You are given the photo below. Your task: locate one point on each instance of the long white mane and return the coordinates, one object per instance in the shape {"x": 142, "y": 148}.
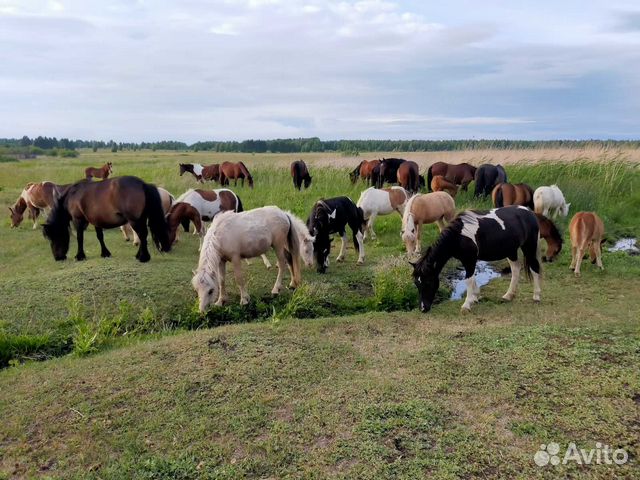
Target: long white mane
{"x": 407, "y": 217}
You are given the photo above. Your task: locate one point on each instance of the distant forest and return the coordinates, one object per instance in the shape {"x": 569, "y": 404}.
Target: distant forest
{"x": 296, "y": 145}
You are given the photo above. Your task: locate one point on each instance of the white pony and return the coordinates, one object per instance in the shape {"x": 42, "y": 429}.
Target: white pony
{"x": 167, "y": 201}
{"x": 549, "y": 201}
{"x": 234, "y": 236}
{"x": 375, "y": 201}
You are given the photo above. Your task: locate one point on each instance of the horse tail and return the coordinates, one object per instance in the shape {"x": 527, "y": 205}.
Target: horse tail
{"x": 414, "y": 180}
{"x": 534, "y": 260}
{"x": 498, "y": 200}
{"x": 155, "y": 217}
{"x": 429, "y": 178}
{"x": 239, "y": 206}
{"x": 246, "y": 173}
{"x": 293, "y": 245}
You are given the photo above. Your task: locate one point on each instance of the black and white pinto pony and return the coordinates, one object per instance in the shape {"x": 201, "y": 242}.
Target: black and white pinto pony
{"x": 489, "y": 236}
{"x": 332, "y": 216}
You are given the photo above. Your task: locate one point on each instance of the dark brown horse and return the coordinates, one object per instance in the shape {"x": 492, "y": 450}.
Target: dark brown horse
{"x": 107, "y": 204}
{"x": 364, "y": 170}
{"x": 211, "y": 172}
{"x": 505, "y": 194}
{"x": 461, "y": 174}
{"x": 300, "y": 174}
{"x": 389, "y": 171}
{"x": 102, "y": 172}
{"x": 408, "y": 175}
{"x": 551, "y": 234}
{"x": 235, "y": 171}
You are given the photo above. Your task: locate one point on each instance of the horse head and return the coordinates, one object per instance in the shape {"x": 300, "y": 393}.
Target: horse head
{"x": 207, "y": 288}
{"x": 426, "y": 280}
{"x": 307, "y": 181}
{"x": 16, "y": 217}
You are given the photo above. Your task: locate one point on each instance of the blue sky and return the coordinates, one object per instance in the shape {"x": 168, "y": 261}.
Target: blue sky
{"x": 236, "y": 69}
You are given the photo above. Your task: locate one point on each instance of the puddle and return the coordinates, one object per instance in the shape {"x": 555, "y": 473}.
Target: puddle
{"x": 628, "y": 245}
{"x": 484, "y": 274}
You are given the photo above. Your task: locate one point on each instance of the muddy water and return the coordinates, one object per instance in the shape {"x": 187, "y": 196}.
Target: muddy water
{"x": 484, "y": 274}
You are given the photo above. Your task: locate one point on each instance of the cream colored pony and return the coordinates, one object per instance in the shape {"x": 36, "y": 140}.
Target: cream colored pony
{"x": 436, "y": 207}
{"x": 236, "y": 236}
{"x": 587, "y": 232}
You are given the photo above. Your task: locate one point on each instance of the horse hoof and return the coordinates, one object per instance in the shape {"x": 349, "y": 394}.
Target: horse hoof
{"x": 275, "y": 292}
{"x": 465, "y": 310}
{"x": 144, "y": 258}
{"x": 507, "y": 298}
{"x": 360, "y": 262}
{"x": 81, "y": 257}
{"x": 339, "y": 259}
{"x": 536, "y": 300}
{"x": 244, "y": 301}
{"x": 105, "y": 254}
{"x": 577, "y": 274}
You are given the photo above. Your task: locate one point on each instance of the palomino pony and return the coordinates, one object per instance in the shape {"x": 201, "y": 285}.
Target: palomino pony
{"x": 107, "y": 204}
{"x": 235, "y": 171}
{"x": 35, "y": 197}
{"x": 102, "y": 172}
{"x": 374, "y": 201}
{"x": 437, "y": 207}
{"x": 461, "y": 174}
{"x": 167, "y": 200}
{"x": 236, "y": 236}
{"x": 587, "y": 232}
{"x": 300, "y": 174}
{"x": 364, "y": 171}
{"x": 408, "y": 176}
{"x": 549, "y": 201}
{"x": 505, "y": 194}
{"x": 441, "y": 184}
{"x": 389, "y": 170}
{"x": 488, "y": 236}
{"x": 488, "y": 176}
{"x": 552, "y": 236}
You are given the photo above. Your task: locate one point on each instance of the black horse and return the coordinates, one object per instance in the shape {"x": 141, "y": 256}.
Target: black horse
{"x": 488, "y": 176}
{"x": 300, "y": 174}
{"x": 388, "y": 171}
{"x": 332, "y": 216}
{"x": 473, "y": 236}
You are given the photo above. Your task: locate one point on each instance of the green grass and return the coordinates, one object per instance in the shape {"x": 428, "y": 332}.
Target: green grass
{"x": 342, "y": 378}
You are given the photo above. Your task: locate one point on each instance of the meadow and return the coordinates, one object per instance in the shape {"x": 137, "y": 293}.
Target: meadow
{"x": 342, "y": 378}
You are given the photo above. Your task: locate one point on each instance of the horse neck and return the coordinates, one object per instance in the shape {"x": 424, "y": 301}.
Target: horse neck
{"x": 210, "y": 257}
{"x": 441, "y": 252}
{"x": 21, "y": 205}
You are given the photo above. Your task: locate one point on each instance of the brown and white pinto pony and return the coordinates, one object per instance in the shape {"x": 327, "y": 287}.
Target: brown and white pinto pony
{"x": 437, "y": 207}
{"x": 235, "y": 171}
{"x": 408, "y": 176}
{"x": 364, "y": 170}
{"x": 102, "y": 172}
{"x": 167, "y": 200}
{"x": 201, "y": 173}
{"x": 505, "y": 194}
{"x": 35, "y": 197}
{"x": 381, "y": 201}
{"x": 441, "y": 184}
{"x": 587, "y": 232}
{"x": 460, "y": 174}
{"x": 300, "y": 174}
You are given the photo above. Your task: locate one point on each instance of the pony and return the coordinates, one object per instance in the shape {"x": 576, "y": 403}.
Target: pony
{"x": 234, "y": 236}
{"x": 461, "y": 174}
{"x": 107, "y": 204}
{"x": 505, "y": 194}
{"x": 364, "y": 171}
{"x": 194, "y": 169}
{"x": 549, "y": 201}
{"x": 475, "y": 235}
{"x": 167, "y": 200}
{"x": 441, "y": 184}
{"x": 437, "y": 207}
{"x": 35, "y": 197}
{"x": 408, "y": 176}
{"x": 332, "y": 216}
{"x": 488, "y": 176}
{"x": 211, "y": 172}
{"x": 102, "y": 172}
{"x": 389, "y": 170}
{"x": 586, "y": 231}
{"x": 552, "y": 235}
{"x": 300, "y": 174}
{"x": 374, "y": 202}
{"x": 235, "y": 171}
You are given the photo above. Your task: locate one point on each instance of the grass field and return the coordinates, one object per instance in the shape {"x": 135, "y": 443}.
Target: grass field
{"x": 343, "y": 378}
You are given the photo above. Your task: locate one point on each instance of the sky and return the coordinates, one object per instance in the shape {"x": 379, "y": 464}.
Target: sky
{"x": 373, "y": 69}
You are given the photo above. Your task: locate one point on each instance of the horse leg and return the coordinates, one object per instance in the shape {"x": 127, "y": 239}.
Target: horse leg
{"x": 104, "y": 251}
{"x": 125, "y": 231}
{"x": 514, "y": 264}
{"x": 418, "y": 235}
{"x": 80, "y": 225}
{"x": 140, "y": 227}
{"x": 237, "y": 273}
{"x": 282, "y": 265}
{"x": 369, "y": 228}
{"x": 597, "y": 248}
{"x": 343, "y": 246}
{"x": 266, "y": 261}
{"x": 35, "y": 213}
{"x": 472, "y": 286}
{"x": 358, "y": 243}
{"x": 222, "y": 294}
{"x": 578, "y": 259}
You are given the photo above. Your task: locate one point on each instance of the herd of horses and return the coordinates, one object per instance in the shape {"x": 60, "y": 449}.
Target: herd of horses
{"x": 520, "y": 217}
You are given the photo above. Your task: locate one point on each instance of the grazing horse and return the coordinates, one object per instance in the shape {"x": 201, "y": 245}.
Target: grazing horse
{"x": 107, "y": 204}
{"x": 194, "y": 169}
{"x": 441, "y": 184}
{"x": 587, "y": 232}
{"x": 505, "y": 194}
{"x": 461, "y": 174}
{"x": 488, "y": 236}
{"x": 437, "y": 207}
{"x": 552, "y": 235}
{"x": 488, "y": 176}
{"x": 102, "y": 172}
{"x": 364, "y": 171}
{"x": 167, "y": 200}
{"x": 332, "y": 216}
{"x": 549, "y": 201}
{"x": 389, "y": 171}
{"x": 300, "y": 174}
{"x": 235, "y": 171}
{"x": 408, "y": 176}
{"x": 374, "y": 201}
{"x": 35, "y": 197}
{"x": 236, "y": 236}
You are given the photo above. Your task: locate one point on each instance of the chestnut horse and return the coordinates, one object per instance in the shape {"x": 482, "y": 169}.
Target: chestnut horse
{"x": 35, "y": 197}
{"x": 300, "y": 174}
{"x": 408, "y": 175}
{"x": 441, "y": 184}
{"x": 235, "y": 171}
{"x": 102, "y": 172}
{"x": 461, "y": 174}
{"x": 587, "y": 231}
{"x": 505, "y": 194}
{"x": 364, "y": 171}
{"x": 211, "y": 172}
{"x": 107, "y": 204}
{"x": 552, "y": 236}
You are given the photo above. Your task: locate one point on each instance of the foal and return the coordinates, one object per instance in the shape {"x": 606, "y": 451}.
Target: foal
{"x": 587, "y": 231}
{"x": 436, "y": 207}
{"x": 102, "y": 172}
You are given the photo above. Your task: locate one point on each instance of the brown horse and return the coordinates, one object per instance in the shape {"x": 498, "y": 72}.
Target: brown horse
{"x": 102, "y": 172}
{"x": 235, "y": 171}
{"x": 107, "y": 204}
{"x": 409, "y": 176}
{"x": 300, "y": 174}
{"x": 587, "y": 231}
{"x": 211, "y": 172}
{"x": 364, "y": 171}
{"x": 441, "y": 184}
{"x": 167, "y": 201}
{"x": 460, "y": 174}
{"x": 552, "y": 236}
{"x": 35, "y": 197}
{"x": 505, "y": 194}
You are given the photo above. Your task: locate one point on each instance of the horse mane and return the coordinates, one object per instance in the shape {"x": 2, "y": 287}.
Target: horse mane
{"x": 59, "y": 221}
{"x": 210, "y": 255}
{"x": 407, "y": 210}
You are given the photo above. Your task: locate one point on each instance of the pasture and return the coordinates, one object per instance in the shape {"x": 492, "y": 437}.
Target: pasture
{"x": 342, "y": 378}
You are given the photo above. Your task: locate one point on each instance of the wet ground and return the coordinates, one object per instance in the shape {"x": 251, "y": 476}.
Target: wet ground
{"x": 484, "y": 274}
{"x": 628, "y": 245}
